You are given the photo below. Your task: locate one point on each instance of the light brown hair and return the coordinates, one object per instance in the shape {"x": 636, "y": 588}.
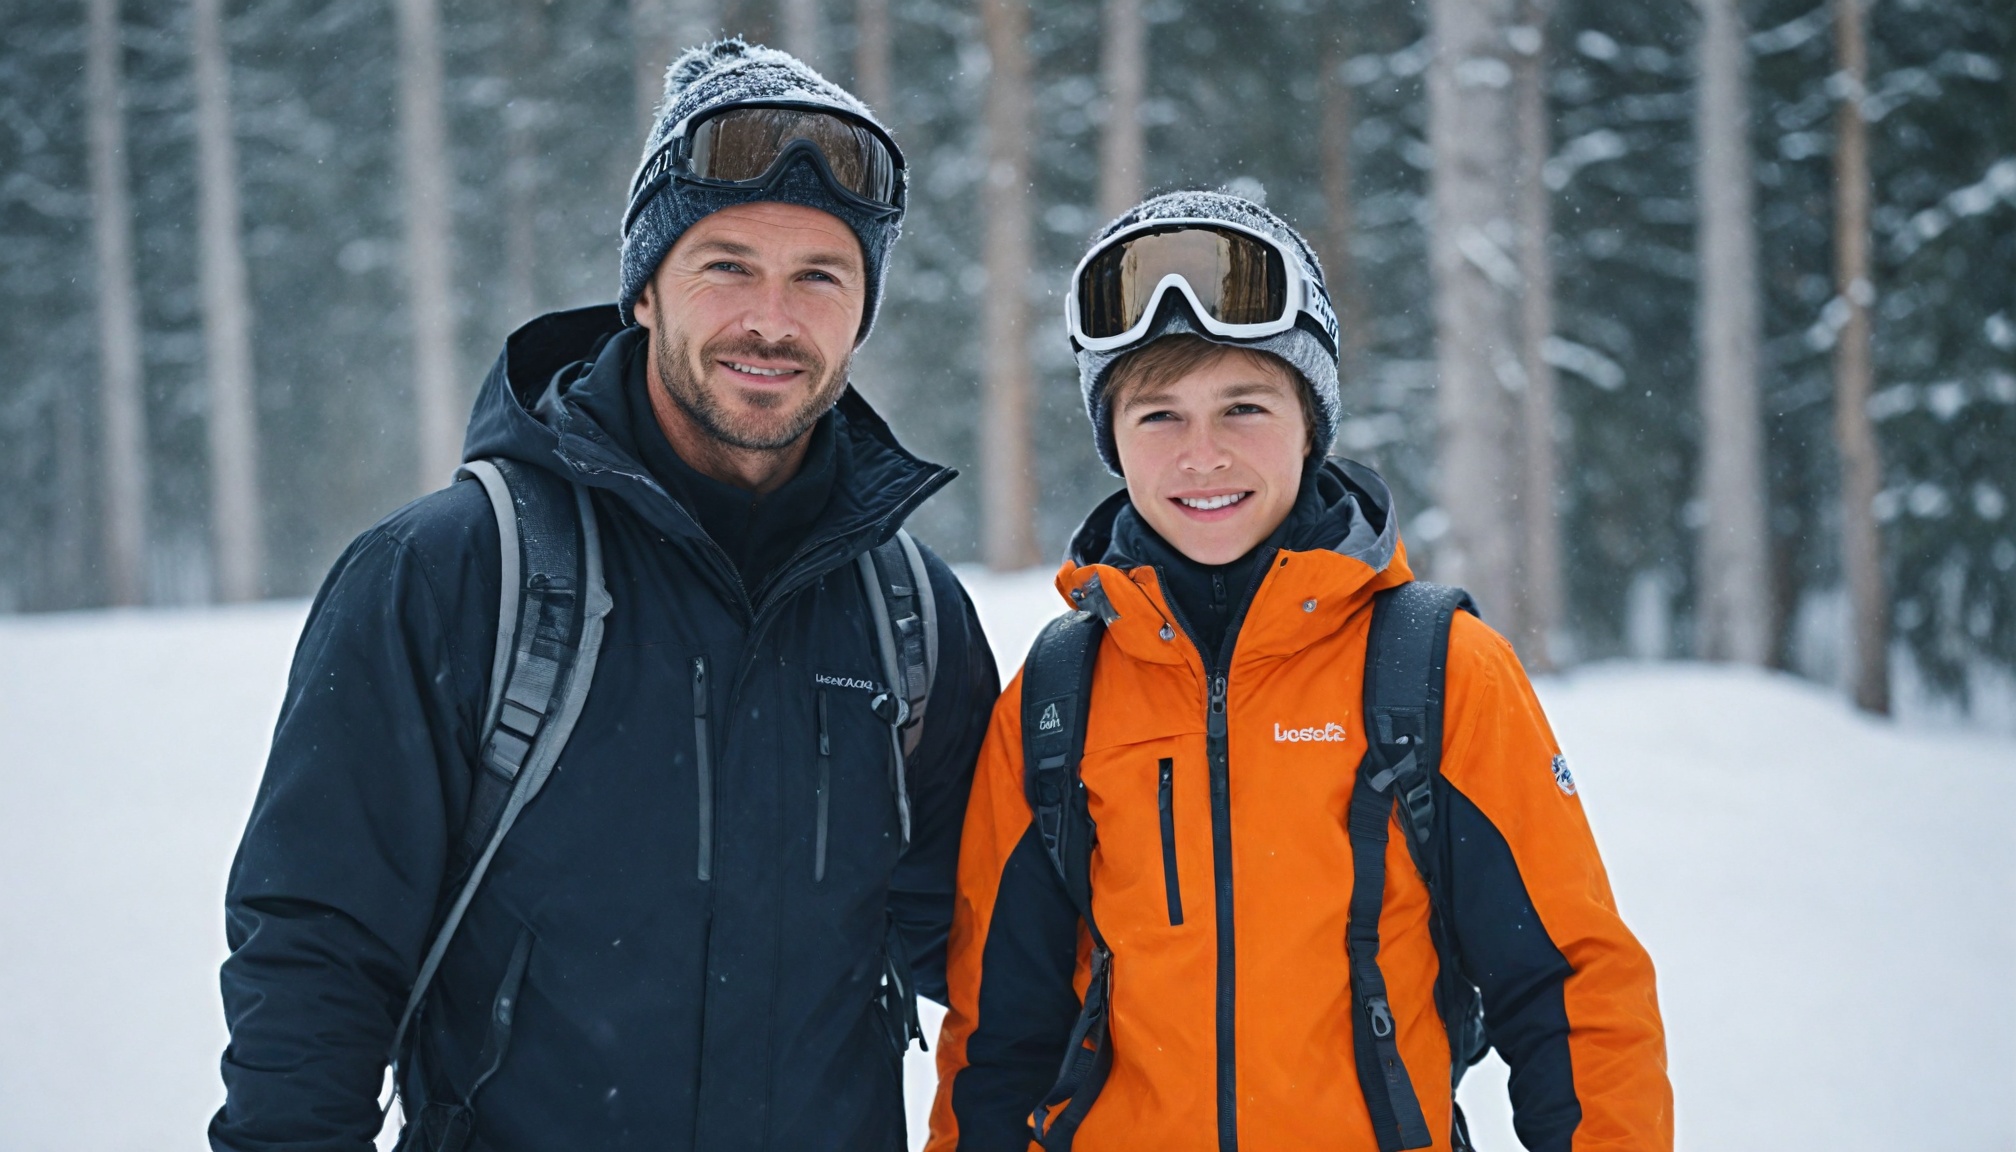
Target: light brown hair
{"x": 1169, "y": 359}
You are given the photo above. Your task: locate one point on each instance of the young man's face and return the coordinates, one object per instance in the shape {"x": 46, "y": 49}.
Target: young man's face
{"x": 1214, "y": 460}
{"x": 753, "y": 315}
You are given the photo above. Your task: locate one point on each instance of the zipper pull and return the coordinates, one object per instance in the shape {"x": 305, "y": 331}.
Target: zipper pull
{"x": 1162, "y": 793}
{"x": 699, "y": 686}
{"x": 1214, "y": 719}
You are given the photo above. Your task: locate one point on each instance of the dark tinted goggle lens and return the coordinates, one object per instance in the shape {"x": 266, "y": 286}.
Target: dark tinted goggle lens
{"x": 1237, "y": 278}
{"x": 742, "y": 144}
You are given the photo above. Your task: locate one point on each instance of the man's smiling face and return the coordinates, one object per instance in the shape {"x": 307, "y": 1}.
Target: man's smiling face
{"x": 753, "y": 317}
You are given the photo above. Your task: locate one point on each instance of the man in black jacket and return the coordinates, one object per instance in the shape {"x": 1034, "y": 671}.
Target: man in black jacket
{"x": 702, "y": 971}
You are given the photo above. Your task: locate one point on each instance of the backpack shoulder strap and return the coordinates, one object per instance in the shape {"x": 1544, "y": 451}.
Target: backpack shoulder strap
{"x": 1056, "y": 696}
{"x": 1405, "y": 661}
{"x": 1406, "y": 655}
{"x": 906, "y": 634}
{"x": 551, "y": 604}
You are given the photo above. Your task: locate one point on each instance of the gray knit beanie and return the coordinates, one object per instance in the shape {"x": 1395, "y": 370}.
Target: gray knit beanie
{"x": 733, "y": 71}
{"x": 1301, "y": 348}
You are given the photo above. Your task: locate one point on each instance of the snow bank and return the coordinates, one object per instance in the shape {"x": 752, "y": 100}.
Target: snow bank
{"x": 130, "y": 747}
{"x": 1828, "y": 898}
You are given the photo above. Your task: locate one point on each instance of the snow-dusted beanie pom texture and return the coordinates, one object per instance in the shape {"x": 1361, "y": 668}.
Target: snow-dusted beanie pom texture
{"x": 728, "y": 72}
{"x": 1301, "y": 348}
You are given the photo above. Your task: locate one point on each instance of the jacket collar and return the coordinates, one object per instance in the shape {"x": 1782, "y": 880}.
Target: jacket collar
{"x": 1342, "y": 544}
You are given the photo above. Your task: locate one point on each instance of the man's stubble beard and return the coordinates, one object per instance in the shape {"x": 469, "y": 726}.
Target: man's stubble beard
{"x": 768, "y": 429}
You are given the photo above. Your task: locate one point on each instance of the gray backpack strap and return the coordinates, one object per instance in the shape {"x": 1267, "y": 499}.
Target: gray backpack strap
{"x": 550, "y": 614}
{"x": 906, "y": 633}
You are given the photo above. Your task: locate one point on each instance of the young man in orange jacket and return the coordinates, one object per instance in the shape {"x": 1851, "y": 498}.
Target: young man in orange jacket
{"x": 1207, "y": 988}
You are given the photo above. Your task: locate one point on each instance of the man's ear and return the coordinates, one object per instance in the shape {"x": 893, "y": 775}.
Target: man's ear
{"x": 645, "y": 309}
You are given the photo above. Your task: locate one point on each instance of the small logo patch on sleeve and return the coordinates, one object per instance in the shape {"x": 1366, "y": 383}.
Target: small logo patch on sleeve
{"x": 1562, "y": 776}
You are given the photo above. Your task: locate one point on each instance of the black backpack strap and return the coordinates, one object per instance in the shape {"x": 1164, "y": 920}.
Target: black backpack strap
{"x": 1406, "y": 657}
{"x": 550, "y": 613}
{"x": 906, "y": 633}
{"x": 1419, "y": 681}
{"x": 1056, "y": 695}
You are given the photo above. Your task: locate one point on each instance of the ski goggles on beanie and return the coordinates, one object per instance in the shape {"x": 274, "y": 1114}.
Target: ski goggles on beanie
{"x": 749, "y": 147}
{"x": 1241, "y": 284}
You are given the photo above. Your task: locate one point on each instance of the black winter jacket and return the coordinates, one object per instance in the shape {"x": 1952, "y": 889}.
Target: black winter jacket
{"x": 658, "y": 1010}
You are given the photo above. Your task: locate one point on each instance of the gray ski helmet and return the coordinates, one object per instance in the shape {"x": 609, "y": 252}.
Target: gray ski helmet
{"x": 733, "y": 71}
{"x": 1301, "y": 348}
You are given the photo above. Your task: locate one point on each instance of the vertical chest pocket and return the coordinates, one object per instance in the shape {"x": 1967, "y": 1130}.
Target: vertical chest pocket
{"x": 1165, "y": 788}
{"x": 853, "y": 802}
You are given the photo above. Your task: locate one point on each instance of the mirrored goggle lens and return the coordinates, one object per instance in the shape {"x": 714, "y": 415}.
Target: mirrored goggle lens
{"x": 1239, "y": 279}
{"x": 742, "y": 144}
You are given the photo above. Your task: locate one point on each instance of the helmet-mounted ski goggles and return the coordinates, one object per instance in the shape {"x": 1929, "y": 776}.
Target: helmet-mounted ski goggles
{"x": 1241, "y": 284}
{"x": 751, "y": 146}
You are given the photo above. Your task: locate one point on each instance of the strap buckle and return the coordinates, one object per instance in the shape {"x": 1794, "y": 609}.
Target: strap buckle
{"x": 890, "y": 708}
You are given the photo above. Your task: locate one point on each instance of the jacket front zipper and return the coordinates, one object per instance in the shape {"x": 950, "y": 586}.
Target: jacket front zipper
{"x": 703, "y": 763}
{"x": 1218, "y": 765}
{"x": 1163, "y": 803}
{"x": 1221, "y": 867}
{"x": 823, "y": 792}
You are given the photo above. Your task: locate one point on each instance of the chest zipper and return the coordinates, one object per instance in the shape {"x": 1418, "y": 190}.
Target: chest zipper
{"x": 704, "y": 765}
{"x": 1221, "y": 860}
{"x": 823, "y": 792}
{"x": 1163, "y": 802}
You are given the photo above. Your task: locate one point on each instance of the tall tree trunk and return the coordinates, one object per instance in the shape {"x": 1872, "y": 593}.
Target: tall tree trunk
{"x": 423, "y": 142}
{"x": 1333, "y": 158}
{"x": 1124, "y": 63}
{"x": 1854, "y": 373}
{"x": 651, "y": 51}
{"x": 1542, "y": 597}
{"x": 1007, "y": 494}
{"x": 524, "y": 116}
{"x": 122, "y": 400}
{"x": 1733, "y": 570}
{"x": 871, "y": 57}
{"x": 236, "y": 528}
{"x": 800, "y": 20}
{"x": 64, "y": 580}
{"x": 1471, "y": 128}
{"x": 659, "y": 31}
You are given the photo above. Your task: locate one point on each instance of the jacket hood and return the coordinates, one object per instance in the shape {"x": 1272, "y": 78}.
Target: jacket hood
{"x": 554, "y": 399}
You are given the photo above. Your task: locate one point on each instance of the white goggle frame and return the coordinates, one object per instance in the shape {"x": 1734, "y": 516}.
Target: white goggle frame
{"x": 1301, "y": 297}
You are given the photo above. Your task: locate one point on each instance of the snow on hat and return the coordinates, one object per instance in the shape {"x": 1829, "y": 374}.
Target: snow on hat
{"x": 1301, "y": 348}
{"x": 733, "y": 71}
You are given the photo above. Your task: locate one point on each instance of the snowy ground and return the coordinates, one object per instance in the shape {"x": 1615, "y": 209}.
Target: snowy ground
{"x": 1829, "y": 899}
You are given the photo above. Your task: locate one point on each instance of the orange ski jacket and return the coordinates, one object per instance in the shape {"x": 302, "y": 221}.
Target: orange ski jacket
{"x": 1231, "y": 1013}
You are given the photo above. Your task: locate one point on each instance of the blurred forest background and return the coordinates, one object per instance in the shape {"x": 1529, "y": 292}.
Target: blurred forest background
{"x": 1680, "y": 328}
